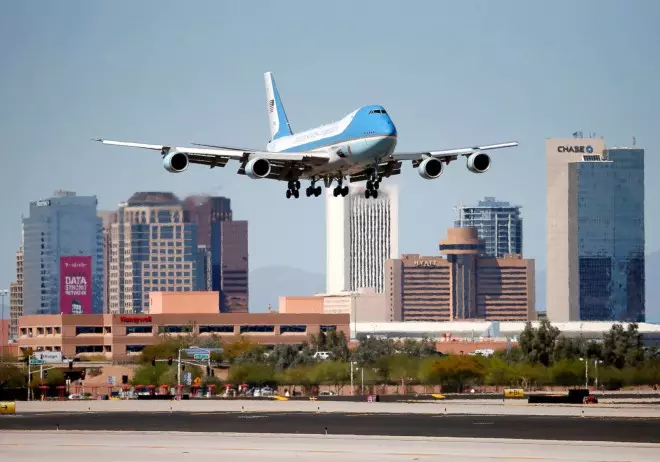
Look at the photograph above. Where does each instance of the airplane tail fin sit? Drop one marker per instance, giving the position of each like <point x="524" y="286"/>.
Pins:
<point x="278" y="121"/>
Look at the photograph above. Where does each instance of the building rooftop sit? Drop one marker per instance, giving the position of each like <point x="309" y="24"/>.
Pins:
<point x="147" y="198"/>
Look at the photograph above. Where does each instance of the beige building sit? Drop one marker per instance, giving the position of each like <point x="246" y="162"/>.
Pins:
<point x="16" y="297"/>
<point x="298" y="305"/>
<point x="462" y="286"/>
<point x="119" y="337"/>
<point x="364" y="305"/>
<point x="183" y="302"/>
<point x="153" y="248"/>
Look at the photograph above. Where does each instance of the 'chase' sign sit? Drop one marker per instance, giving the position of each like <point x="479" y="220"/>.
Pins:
<point x="577" y="149"/>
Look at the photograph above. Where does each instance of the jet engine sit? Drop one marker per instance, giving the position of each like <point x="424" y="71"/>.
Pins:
<point x="478" y="162"/>
<point x="176" y="162"/>
<point x="430" y="168"/>
<point x="257" y="168"/>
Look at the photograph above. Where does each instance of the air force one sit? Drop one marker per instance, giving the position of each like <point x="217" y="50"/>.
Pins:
<point x="359" y="147"/>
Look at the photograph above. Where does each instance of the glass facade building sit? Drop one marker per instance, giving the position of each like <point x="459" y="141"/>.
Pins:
<point x="498" y="224"/>
<point x="595" y="231"/>
<point x="64" y="225"/>
<point x="610" y="228"/>
<point x="153" y="248"/>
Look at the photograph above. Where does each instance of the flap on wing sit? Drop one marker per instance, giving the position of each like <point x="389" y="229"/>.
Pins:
<point x="450" y="154"/>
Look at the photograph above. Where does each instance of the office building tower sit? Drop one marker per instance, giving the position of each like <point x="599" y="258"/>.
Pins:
<point x="226" y="241"/>
<point x="108" y="217"/>
<point x="16" y="297"/>
<point x="595" y="231"/>
<point x="498" y="224"/>
<point x="204" y="211"/>
<point x="153" y="248"/>
<point x="63" y="256"/>
<point x="360" y="235"/>
<point x="235" y="269"/>
<point x="465" y="285"/>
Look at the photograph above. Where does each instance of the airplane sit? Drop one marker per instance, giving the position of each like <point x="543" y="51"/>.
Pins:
<point x="359" y="147"/>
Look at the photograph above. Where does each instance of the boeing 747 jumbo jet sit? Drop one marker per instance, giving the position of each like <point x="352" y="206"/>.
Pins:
<point x="358" y="147"/>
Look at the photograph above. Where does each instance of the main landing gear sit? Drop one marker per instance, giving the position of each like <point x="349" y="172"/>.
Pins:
<point x="372" y="186"/>
<point x="294" y="189"/>
<point x="340" y="190"/>
<point x="313" y="190"/>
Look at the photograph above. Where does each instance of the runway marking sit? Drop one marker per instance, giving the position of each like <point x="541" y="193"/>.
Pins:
<point x="297" y="451"/>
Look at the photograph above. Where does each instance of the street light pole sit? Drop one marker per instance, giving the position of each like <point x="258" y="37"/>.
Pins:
<point x="3" y="294"/>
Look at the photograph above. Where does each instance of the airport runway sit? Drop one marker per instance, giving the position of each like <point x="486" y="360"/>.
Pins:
<point x="474" y="407"/>
<point x="464" y="426"/>
<point x="164" y="447"/>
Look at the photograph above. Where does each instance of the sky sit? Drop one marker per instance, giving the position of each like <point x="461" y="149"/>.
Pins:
<point x="450" y="73"/>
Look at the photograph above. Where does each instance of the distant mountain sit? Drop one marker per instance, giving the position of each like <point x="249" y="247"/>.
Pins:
<point x="269" y="283"/>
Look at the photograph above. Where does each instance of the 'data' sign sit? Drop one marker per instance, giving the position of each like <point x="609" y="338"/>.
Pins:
<point x="76" y="285"/>
<point x="136" y="319"/>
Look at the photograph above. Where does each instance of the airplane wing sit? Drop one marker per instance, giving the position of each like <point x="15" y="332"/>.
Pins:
<point x="450" y="154"/>
<point x="282" y="164"/>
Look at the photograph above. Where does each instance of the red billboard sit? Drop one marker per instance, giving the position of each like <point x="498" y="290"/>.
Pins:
<point x="76" y="285"/>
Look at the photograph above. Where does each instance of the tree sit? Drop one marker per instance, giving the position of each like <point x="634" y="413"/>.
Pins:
<point x="417" y="349"/>
<point x="252" y="374"/>
<point x="538" y="344"/>
<point x="371" y="349"/>
<point x="623" y="347"/>
<point x="12" y="376"/>
<point x="454" y="372"/>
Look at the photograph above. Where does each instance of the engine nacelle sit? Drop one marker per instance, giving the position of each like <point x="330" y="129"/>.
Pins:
<point x="478" y="162"/>
<point x="430" y="168"/>
<point x="257" y="168"/>
<point x="176" y="162"/>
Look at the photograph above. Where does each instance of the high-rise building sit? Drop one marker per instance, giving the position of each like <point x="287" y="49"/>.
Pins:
<point x="234" y="274"/>
<point x="153" y="248"/>
<point x="595" y="231"/>
<point x="360" y="235"/>
<point x="465" y="285"/>
<point x="498" y="224"/>
<point x="16" y="297"/>
<point x="108" y="217"/>
<point x="226" y="242"/>
<point x="63" y="256"/>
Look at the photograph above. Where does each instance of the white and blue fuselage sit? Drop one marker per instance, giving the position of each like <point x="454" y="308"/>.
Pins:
<point x="354" y="143"/>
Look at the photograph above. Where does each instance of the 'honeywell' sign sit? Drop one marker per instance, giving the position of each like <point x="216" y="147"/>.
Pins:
<point x="135" y="319"/>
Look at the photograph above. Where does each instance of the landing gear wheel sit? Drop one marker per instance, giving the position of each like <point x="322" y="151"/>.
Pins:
<point x="344" y="191"/>
<point x="336" y="191"/>
<point x="297" y="184"/>
<point x="376" y="184"/>
<point x="288" y="194"/>
<point x="367" y="193"/>
<point x="374" y="194"/>
<point x="296" y="193"/>
<point x="317" y="191"/>
<point x="370" y="185"/>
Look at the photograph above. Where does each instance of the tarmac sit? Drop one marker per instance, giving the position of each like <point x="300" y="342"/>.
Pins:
<point x="468" y="407"/>
<point x="565" y="428"/>
<point x="164" y="447"/>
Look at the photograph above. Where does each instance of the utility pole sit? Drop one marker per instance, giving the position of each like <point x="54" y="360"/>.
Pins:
<point x="352" y="387"/>
<point x="178" y="372"/>
<point x="29" y="380"/>
<point x="362" y="369"/>
<point x="3" y="294"/>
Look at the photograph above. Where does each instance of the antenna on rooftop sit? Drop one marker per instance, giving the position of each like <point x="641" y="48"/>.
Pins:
<point x="634" y="141"/>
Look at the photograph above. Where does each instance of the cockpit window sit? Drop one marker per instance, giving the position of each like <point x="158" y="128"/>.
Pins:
<point x="377" y="111"/>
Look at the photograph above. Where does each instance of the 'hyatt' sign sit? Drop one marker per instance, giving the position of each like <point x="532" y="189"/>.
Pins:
<point x="576" y="149"/>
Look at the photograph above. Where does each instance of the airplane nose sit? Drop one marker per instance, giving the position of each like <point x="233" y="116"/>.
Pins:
<point x="390" y="129"/>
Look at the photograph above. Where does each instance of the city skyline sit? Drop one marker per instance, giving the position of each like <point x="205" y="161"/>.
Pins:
<point x="541" y="95"/>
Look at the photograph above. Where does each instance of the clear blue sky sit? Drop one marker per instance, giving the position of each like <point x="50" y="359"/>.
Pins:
<point x="451" y="74"/>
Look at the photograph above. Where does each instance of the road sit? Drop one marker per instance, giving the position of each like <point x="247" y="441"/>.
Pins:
<point x="464" y="426"/>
